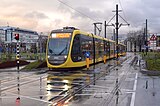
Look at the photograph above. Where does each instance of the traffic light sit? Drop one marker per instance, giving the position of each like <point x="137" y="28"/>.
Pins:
<point x="16" y="36"/>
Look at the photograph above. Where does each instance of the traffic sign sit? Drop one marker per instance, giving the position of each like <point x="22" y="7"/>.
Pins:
<point x="87" y="54"/>
<point x="153" y="38"/>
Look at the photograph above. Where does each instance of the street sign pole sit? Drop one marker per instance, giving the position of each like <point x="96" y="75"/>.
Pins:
<point x="17" y="55"/>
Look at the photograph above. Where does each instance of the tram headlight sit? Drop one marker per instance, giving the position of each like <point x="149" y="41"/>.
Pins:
<point x="48" y="56"/>
<point x="65" y="57"/>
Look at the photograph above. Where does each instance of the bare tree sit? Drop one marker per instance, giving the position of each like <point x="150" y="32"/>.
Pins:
<point x="136" y="38"/>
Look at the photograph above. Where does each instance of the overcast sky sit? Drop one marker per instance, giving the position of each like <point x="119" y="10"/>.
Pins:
<point x="45" y="15"/>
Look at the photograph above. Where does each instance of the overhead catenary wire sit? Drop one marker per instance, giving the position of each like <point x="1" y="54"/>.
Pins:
<point x="77" y="10"/>
<point x="122" y="9"/>
<point x="124" y="19"/>
<point x="110" y="20"/>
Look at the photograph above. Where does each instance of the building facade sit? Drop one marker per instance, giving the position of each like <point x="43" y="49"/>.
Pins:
<point x="29" y="40"/>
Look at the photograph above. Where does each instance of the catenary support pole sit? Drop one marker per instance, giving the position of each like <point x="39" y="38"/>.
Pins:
<point x="146" y="39"/>
<point x="117" y="27"/>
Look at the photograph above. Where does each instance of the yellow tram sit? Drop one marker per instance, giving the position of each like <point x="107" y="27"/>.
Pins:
<point x="66" y="48"/>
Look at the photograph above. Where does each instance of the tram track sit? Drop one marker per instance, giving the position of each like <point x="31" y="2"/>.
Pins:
<point x="121" y="81"/>
<point x="77" y="85"/>
<point x="7" y="80"/>
<point x="19" y="74"/>
<point x="20" y="80"/>
<point x="101" y="72"/>
<point x="22" y="83"/>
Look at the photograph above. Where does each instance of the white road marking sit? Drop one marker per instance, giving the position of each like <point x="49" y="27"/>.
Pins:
<point x="134" y="89"/>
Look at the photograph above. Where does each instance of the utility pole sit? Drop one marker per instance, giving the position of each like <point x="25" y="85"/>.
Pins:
<point x="117" y="49"/>
<point x="114" y="35"/>
<point x="40" y="45"/>
<point x="144" y="42"/>
<point x="94" y="28"/>
<point x="117" y="26"/>
<point x="105" y="33"/>
<point x="146" y="38"/>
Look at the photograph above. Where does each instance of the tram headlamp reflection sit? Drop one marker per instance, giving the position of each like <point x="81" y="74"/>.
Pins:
<point x="66" y="81"/>
<point x="66" y="87"/>
<point x="49" y="87"/>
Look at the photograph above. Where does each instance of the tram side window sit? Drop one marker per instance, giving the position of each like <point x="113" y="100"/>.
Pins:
<point x="124" y="48"/>
<point x="111" y="48"/>
<point x="120" y="49"/>
<point x="86" y="46"/>
<point x="107" y="47"/>
<point x="101" y="47"/>
<point x="76" y="49"/>
<point x="96" y="48"/>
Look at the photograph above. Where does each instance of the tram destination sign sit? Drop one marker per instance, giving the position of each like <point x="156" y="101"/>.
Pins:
<point x="60" y="35"/>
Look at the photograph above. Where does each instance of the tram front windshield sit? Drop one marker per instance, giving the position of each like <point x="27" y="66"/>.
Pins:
<point x="59" y="44"/>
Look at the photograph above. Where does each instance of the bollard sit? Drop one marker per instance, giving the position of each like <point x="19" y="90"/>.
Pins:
<point x="87" y="55"/>
<point x="104" y="58"/>
<point x="147" y="84"/>
<point x="140" y="65"/>
<point x="87" y="62"/>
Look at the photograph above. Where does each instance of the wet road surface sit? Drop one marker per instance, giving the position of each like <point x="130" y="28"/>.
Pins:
<point x="78" y="88"/>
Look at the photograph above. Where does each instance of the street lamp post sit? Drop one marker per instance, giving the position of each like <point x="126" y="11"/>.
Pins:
<point x="40" y="45"/>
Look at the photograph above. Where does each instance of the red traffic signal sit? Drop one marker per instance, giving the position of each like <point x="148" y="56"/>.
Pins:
<point x="16" y="36"/>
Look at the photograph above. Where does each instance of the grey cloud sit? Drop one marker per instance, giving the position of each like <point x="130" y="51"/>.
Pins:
<point x="93" y="14"/>
<point x="56" y="22"/>
<point x="63" y="8"/>
<point x="138" y="11"/>
<point x="85" y="12"/>
<point x="35" y="14"/>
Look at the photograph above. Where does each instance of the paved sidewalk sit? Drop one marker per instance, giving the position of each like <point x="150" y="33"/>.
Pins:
<point x="148" y="91"/>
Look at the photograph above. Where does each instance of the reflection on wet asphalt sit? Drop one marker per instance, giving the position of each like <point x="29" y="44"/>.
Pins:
<point x="48" y="87"/>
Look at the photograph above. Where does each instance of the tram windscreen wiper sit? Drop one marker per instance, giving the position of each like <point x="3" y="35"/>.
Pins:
<point x="51" y="51"/>
<point x="63" y="50"/>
